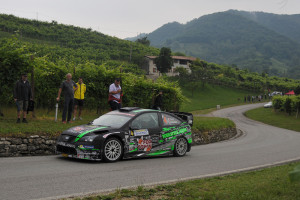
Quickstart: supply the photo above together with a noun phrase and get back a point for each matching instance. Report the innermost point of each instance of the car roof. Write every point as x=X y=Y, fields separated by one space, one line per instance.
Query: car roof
x=132 y=111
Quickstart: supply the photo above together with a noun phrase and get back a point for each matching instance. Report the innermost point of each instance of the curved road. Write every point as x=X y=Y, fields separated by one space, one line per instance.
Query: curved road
x=51 y=177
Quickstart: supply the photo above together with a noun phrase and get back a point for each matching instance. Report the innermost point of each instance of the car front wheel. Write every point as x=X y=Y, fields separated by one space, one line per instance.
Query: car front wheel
x=181 y=147
x=113 y=150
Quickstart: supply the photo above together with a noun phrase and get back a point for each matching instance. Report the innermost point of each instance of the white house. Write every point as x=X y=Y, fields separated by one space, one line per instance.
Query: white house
x=178 y=61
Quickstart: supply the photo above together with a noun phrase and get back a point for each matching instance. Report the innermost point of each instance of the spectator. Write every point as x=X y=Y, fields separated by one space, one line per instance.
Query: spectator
x=67 y=87
x=158 y=102
x=115 y=94
x=22 y=94
x=79 y=98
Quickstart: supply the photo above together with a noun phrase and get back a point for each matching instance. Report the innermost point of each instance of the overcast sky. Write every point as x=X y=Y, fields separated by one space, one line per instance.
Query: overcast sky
x=127 y=18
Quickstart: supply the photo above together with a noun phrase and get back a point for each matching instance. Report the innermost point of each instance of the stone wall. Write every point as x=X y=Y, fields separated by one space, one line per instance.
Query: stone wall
x=212 y=136
x=27 y=146
x=42 y=145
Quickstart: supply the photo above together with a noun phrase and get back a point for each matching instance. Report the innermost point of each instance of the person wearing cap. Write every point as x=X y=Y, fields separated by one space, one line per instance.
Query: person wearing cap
x=22 y=94
x=68 y=87
x=114 y=96
x=79 y=98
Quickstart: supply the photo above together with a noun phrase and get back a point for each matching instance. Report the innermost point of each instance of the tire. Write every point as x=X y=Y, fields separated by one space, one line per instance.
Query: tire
x=112 y=150
x=181 y=147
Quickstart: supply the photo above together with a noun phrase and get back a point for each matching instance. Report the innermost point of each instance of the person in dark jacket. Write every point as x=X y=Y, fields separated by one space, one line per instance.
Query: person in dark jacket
x=22 y=94
x=158 y=102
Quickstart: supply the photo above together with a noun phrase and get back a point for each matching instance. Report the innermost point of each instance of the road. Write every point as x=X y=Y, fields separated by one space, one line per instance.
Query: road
x=51 y=177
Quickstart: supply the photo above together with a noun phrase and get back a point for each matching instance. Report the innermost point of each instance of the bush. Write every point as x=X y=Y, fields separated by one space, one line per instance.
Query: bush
x=289 y=104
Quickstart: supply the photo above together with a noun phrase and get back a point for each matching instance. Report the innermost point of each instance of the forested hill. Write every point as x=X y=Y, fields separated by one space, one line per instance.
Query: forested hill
x=287 y=25
x=259 y=42
x=72 y=43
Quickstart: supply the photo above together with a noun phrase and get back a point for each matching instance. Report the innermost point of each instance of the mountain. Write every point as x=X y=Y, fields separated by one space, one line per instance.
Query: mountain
x=259 y=42
x=287 y=25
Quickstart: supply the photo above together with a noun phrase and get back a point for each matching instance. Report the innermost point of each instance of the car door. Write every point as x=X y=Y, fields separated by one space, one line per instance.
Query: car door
x=170 y=126
x=144 y=133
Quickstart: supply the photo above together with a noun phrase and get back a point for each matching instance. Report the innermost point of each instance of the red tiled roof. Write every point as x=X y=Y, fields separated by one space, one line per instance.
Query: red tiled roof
x=176 y=57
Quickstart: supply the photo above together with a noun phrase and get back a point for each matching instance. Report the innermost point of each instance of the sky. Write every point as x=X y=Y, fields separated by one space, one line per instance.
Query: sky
x=128 y=18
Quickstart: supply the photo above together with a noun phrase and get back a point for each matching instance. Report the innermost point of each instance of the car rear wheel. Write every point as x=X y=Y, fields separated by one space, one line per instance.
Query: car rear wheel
x=113 y=150
x=181 y=147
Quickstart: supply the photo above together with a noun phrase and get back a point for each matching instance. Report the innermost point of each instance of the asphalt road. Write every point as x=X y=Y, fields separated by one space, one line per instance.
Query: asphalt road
x=51 y=177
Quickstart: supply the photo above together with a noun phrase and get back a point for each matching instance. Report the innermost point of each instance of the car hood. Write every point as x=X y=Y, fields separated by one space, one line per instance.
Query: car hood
x=80 y=131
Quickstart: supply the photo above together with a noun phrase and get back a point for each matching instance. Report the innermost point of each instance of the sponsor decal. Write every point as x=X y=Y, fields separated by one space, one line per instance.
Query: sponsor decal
x=174 y=133
x=78 y=129
x=155 y=139
x=168 y=129
x=141 y=132
x=144 y=145
x=86 y=146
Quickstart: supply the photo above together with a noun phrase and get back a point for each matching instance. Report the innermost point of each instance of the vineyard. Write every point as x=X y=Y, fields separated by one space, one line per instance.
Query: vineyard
x=48 y=51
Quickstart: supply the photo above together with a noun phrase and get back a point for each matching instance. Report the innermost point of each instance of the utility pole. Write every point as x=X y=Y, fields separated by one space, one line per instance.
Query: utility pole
x=32 y=83
x=130 y=52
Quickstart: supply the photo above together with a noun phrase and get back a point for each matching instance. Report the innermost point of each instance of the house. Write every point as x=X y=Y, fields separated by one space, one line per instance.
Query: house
x=178 y=61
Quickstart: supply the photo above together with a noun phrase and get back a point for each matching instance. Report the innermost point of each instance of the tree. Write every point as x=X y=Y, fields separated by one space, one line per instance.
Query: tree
x=143 y=41
x=164 y=61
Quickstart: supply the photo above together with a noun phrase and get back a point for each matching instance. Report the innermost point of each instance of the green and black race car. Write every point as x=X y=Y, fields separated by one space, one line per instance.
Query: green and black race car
x=129 y=133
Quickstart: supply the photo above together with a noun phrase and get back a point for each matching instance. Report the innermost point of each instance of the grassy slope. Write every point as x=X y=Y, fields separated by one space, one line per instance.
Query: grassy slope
x=43 y=124
x=270 y=183
x=279 y=119
x=210 y=96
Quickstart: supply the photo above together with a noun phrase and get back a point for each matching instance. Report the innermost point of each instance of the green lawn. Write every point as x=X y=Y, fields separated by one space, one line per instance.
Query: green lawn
x=211 y=123
x=210 y=96
x=43 y=124
x=279 y=119
x=270 y=183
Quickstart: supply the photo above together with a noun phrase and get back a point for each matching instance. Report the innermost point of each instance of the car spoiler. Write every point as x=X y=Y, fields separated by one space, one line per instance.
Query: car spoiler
x=188 y=117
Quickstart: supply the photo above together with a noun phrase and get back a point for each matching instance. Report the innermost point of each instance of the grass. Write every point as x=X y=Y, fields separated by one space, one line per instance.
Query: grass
x=43 y=124
x=278 y=119
x=211 y=123
x=209 y=96
x=270 y=183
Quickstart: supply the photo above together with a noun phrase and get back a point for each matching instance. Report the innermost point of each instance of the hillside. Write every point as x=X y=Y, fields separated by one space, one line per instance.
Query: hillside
x=287 y=25
x=74 y=44
x=237 y=39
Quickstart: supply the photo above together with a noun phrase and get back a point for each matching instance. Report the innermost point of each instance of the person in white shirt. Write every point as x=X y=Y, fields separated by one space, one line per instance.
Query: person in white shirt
x=115 y=94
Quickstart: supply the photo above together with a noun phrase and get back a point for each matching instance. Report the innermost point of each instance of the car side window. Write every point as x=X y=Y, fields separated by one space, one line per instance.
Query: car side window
x=145 y=121
x=169 y=120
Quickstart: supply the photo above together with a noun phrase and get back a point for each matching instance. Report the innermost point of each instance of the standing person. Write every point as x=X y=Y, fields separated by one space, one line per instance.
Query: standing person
x=114 y=96
x=158 y=102
x=22 y=94
x=67 y=87
x=79 y=98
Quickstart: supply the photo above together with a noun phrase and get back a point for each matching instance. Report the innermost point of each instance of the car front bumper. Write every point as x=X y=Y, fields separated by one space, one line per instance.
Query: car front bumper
x=86 y=152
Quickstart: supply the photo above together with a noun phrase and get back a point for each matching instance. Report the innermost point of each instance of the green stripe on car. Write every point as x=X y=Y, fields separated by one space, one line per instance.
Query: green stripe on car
x=86 y=132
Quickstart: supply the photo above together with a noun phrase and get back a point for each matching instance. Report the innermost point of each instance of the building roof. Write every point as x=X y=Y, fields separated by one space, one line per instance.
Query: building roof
x=176 y=58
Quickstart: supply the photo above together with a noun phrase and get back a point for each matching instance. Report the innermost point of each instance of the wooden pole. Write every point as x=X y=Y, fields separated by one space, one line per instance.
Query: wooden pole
x=32 y=85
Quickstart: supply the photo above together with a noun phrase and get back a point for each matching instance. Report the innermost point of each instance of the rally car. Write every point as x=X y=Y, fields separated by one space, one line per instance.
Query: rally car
x=129 y=133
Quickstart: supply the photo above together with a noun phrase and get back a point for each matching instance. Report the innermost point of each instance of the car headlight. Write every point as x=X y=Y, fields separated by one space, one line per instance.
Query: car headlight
x=88 y=138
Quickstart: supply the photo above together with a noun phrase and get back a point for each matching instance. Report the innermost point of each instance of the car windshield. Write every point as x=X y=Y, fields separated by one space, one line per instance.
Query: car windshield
x=115 y=121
